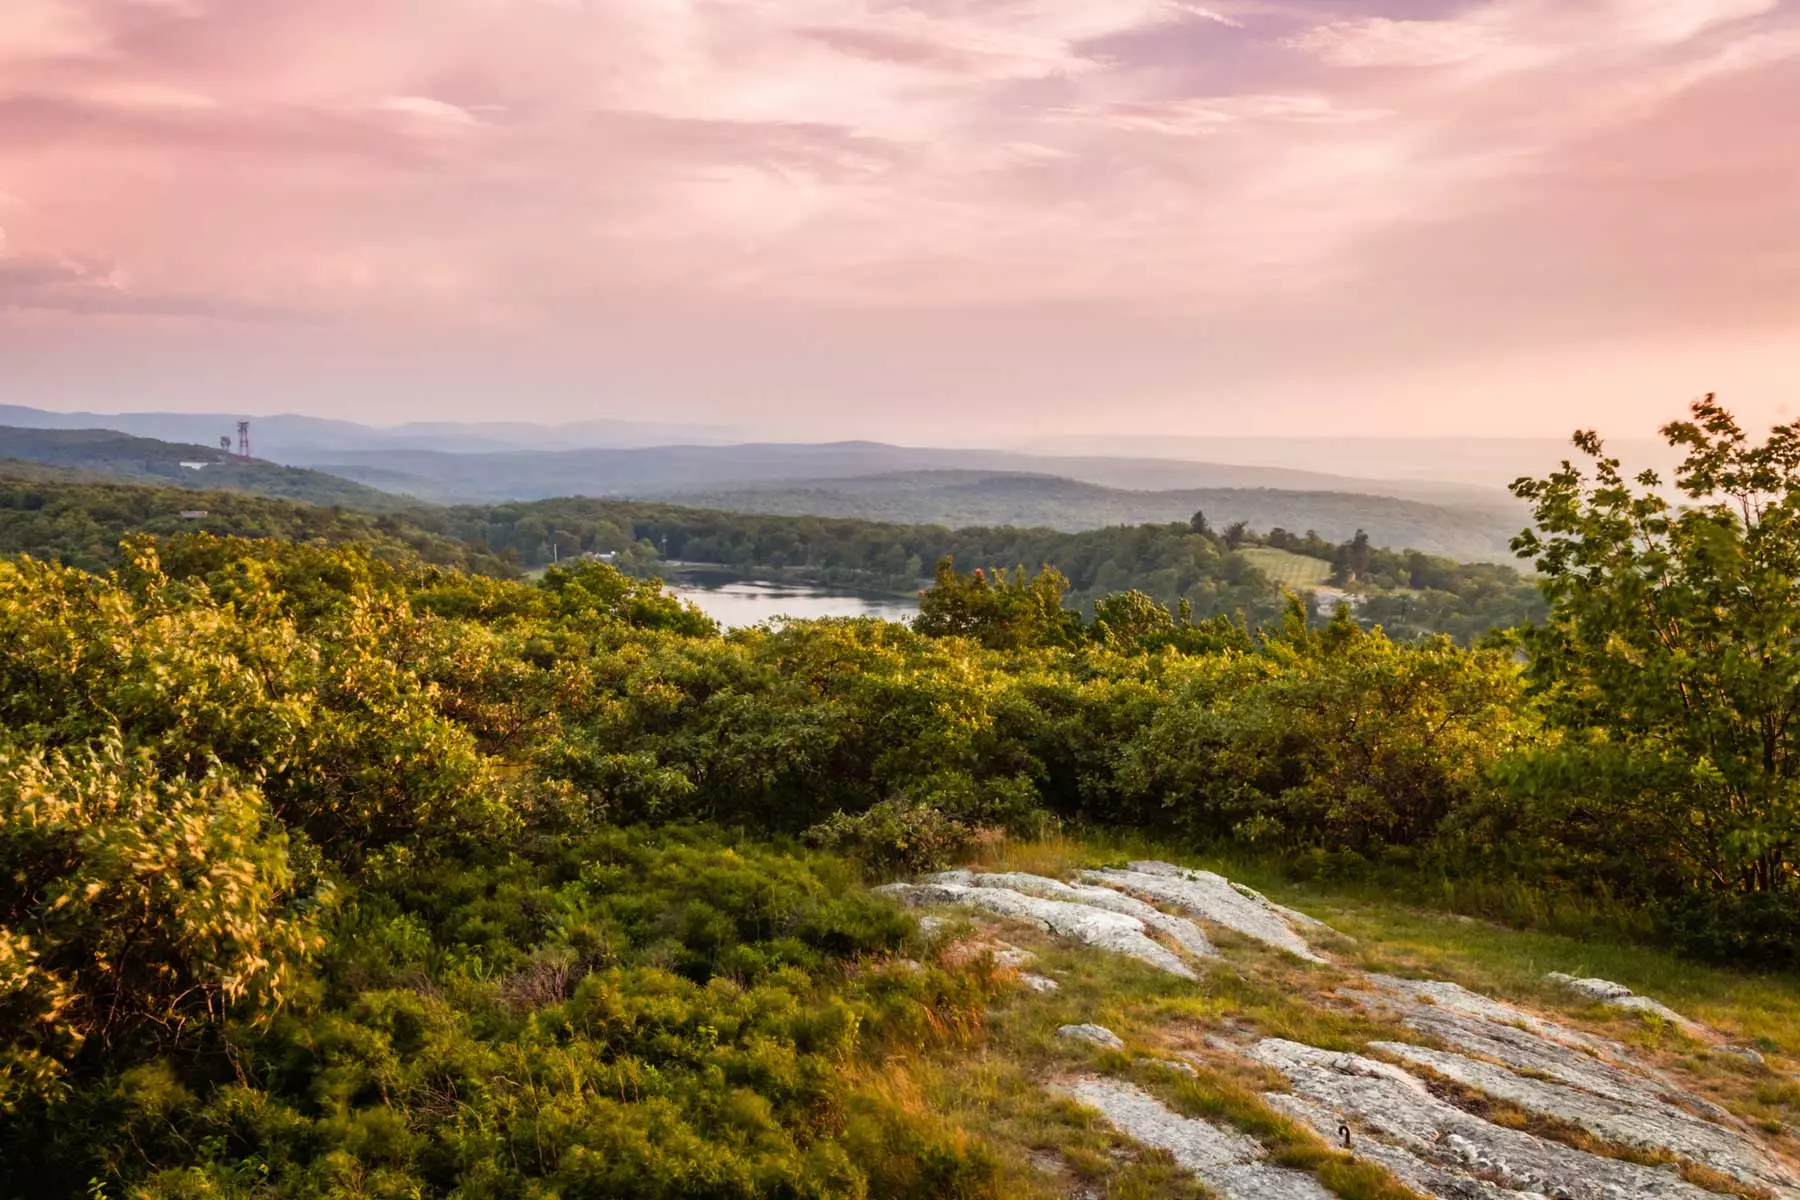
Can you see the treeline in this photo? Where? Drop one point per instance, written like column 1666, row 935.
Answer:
column 1188, row 562
column 56, row 515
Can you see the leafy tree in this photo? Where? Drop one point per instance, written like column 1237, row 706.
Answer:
column 1009, row 612
column 1130, row 618
column 1670, row 664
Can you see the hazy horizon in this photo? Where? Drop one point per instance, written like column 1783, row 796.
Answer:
column 949, row 222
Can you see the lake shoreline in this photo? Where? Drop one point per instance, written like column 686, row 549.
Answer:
column 740, row 599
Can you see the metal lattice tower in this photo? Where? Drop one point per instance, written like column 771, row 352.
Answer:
column 243, row 439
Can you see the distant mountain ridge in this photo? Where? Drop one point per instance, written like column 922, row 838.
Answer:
column 285, row 437
column 1436, row 470
column 665, row 470
column 868, row 480
column 976, row 498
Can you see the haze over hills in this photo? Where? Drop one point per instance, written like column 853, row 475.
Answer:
column 1480, row 461
column 957, row 498
column 288, row 437
column 1432, row 469
column 869, row 480
column 667, row 470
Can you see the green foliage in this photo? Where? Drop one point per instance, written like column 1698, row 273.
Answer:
column 1333, row 737
column 1012, row 612
column 895, row 836
column 632, row 1015
column 133, row 902
column 1668, row 668
column 72, row 519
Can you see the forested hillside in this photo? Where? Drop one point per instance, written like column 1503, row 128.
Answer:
column 323, row 875
column 1192, row 561
column 1173, row 562
column 105, row 454
column 73, row 518
column 79, row 519
column 964, row 498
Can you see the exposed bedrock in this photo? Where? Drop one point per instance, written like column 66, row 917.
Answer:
column 1641, row 1118
column 1437, row 1147
column 1226, row 1161
column 1617, row 995
column 1213, row 898
column 1113, row 932
column 1184, row 933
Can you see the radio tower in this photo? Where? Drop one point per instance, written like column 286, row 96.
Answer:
column 244, row 439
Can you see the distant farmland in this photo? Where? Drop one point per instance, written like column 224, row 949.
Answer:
column 1287, row 568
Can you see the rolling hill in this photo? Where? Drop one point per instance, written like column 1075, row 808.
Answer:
column 658, row 471
column 108, row 454
column 961, row 498
column 79, row 518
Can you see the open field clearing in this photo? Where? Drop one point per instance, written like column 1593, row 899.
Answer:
column 1287, row 568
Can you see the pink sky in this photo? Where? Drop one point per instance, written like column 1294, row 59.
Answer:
column 945, row 220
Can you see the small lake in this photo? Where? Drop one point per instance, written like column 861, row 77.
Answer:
column 741, row 602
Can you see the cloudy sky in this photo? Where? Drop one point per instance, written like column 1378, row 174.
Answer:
column 938, row 220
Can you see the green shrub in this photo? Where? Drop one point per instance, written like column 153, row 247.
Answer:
column 897, row 835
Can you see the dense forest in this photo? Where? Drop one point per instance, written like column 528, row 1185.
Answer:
column 54, row 514
column 1189, row 562
column 66, row 517
column 330, row 874
column 1462, row 530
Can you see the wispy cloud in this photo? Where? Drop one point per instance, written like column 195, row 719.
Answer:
column 422, row 166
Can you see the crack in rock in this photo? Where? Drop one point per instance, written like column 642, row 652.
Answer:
column 1211, row 898
column 1439, row 1148
column 1113, row 932
column 1424, row 1177
column 1230, row 1163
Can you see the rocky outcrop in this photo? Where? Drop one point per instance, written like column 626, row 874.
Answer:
column 1408, row 995
column 1439, row 1149
column 1209, row 897
column 1617, row 995
column 1183, row 933
column 1229, row 1163
column 1419, row 1113
column 1641, row 1119
column 1113, row 932
column 1094, row 1035
column 1116, row 910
